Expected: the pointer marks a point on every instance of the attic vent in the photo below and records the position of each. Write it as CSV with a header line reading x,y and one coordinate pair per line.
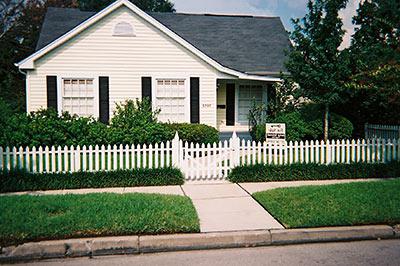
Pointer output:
x,y
123,29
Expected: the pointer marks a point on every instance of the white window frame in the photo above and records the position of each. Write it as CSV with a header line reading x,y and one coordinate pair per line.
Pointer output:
x,y
154,99
60,87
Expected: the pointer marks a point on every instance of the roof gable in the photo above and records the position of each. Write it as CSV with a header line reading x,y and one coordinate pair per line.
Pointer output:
x,y
62,24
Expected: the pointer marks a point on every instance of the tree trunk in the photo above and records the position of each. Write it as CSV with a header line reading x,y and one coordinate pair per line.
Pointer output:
x,y
326,123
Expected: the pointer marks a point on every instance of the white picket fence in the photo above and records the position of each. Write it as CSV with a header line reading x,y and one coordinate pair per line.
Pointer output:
x,y
197,162
382,131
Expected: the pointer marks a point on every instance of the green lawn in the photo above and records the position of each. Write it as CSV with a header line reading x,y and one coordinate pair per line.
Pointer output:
x,y
335,205
31,218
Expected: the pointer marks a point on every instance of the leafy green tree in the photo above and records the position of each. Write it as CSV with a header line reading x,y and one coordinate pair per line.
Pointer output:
x,y
375,61
18,39
146,5
315,62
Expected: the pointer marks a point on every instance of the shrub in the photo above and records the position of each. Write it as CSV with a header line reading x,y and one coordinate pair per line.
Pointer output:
x,y
197,133
22,181
134,122
266,173
45,128
306,124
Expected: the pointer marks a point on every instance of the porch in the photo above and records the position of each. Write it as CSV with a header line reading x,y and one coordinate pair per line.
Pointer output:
x,y
234,101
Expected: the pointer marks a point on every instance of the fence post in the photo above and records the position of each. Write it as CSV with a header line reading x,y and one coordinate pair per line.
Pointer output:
x,y
176,151
234,143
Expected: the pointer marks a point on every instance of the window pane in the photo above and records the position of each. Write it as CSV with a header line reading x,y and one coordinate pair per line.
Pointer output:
x,y
78,96
170,94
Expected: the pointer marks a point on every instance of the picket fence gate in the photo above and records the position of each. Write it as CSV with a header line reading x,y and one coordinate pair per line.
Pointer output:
x,y
197,161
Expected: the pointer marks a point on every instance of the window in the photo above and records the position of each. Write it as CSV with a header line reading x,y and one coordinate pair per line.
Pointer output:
x,y
247,95
171,99
123,29
78,96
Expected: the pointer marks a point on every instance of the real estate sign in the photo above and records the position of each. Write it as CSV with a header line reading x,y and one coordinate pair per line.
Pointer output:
x,y
275,133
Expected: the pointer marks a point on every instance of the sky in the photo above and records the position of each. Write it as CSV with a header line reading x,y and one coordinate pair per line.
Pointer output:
x,y
285,9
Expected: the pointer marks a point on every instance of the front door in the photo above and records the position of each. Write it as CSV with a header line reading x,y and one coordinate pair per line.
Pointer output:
x,y
230,104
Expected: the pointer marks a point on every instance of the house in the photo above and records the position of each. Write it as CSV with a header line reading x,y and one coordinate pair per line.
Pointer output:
x,y
195,68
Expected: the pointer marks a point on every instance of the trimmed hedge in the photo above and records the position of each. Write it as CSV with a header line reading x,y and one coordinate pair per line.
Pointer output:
x,y
196,133
22,181
266,173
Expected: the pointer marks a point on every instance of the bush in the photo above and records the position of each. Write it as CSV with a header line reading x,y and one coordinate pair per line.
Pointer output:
x,y
196,133
306,124
267,173
14,181
46,128
133,122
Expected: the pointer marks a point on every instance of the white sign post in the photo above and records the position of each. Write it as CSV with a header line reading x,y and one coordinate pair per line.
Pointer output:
x,y
275,133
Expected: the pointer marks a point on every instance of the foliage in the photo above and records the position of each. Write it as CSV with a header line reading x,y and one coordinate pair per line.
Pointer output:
x,y
306,124
19,31
146,5
46,128
34,218
256,117
375,65
287,97
136,122
266,173
334,205
315,61
196,133
22,181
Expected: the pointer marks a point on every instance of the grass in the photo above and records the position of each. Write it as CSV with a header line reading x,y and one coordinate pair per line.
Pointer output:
x,y
335,205
33,218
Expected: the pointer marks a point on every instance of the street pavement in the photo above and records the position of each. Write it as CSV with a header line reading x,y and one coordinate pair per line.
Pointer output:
x,y
377,252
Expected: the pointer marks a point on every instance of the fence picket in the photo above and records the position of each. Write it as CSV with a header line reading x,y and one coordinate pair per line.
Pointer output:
x,y
90,157
53,159
20,158
8,159
168,154
84,158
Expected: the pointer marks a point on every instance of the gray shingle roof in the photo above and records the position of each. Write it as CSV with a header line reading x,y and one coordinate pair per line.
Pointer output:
x,y
243,43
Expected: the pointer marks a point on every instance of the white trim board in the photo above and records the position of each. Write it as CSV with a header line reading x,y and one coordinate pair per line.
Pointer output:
x,y
28,63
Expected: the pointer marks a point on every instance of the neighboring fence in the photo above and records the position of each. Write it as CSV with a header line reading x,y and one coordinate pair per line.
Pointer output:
x,y
198,162
382,131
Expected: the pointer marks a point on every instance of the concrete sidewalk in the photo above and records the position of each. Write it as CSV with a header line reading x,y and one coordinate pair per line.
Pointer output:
x,y
227,207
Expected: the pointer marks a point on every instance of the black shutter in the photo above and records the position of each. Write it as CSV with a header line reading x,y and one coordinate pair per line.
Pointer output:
x,y
230,104
51,92
194,100
104,84
146,88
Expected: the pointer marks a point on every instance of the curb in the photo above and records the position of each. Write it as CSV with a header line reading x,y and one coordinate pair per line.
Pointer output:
x,y
201,241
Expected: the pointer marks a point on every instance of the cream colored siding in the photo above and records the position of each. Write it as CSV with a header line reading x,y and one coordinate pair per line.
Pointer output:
x,y
96,52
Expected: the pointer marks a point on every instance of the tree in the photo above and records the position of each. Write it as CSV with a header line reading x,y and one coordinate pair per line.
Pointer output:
x,y
146,5
315,62
375,61
18,40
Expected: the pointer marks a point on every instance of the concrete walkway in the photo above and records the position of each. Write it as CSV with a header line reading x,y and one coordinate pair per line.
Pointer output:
x,y
227,207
